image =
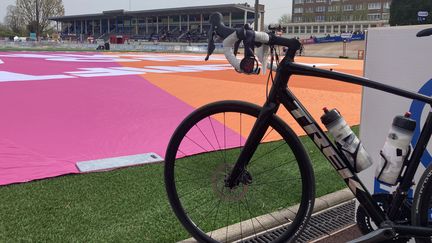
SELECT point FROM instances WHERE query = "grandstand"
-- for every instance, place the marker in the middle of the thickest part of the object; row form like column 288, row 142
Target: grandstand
column 172, row 24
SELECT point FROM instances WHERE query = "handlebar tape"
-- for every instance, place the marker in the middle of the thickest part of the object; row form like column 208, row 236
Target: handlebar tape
column 292, row 44
column 425, row 32
column 216, row 23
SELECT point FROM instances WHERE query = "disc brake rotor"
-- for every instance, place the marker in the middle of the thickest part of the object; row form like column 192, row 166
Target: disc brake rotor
column 225, row 193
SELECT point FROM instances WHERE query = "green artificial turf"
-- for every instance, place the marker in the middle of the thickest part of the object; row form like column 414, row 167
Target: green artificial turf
column 126, row 205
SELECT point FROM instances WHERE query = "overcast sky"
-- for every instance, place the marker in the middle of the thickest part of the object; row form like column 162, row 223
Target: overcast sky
column 274, row 8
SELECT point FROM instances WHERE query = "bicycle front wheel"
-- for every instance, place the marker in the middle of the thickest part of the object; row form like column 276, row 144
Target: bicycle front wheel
column 276, row 191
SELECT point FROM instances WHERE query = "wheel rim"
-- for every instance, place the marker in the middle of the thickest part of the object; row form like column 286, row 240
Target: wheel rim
column 202, row 202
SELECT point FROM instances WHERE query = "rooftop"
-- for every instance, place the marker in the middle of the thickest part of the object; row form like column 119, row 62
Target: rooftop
column 160, row 12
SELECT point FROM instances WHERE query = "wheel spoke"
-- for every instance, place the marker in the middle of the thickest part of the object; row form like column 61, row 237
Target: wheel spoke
column 273, row 168
column 189, row 193
column 274, row 182
column 192, row 180
column 251, row 214
column 187, row 170
column 207, row 139
column 271, row 130
column 217, row 140
column 215, row 218
column 266, row 154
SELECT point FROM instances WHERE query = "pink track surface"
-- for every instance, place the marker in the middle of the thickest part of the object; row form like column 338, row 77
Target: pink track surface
column 60, row 108
column 49, row 125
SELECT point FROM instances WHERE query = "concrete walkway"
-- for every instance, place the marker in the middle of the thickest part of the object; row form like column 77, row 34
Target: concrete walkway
column 268, row 221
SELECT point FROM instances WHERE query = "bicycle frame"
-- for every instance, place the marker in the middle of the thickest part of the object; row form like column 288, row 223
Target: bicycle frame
column 280, row 94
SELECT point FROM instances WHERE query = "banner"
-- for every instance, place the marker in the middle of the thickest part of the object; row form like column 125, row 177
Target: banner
column 329, row 39
column 394, row 56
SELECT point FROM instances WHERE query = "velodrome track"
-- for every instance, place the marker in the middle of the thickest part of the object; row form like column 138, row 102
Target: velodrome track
column 59, row 108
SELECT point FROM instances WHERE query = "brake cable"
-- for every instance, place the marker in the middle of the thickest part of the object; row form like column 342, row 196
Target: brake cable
column 270, row 76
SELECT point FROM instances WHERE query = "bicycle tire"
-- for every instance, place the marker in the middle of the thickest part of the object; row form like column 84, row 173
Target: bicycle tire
column 240, row 197
column 422, row 204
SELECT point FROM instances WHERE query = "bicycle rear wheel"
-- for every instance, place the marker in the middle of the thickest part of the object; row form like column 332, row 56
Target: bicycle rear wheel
column 278, row 189
column 422, row 205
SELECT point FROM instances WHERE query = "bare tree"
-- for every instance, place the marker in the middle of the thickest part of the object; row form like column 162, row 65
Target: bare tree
column 12, row 20
column 285, row 19
column 35, row 13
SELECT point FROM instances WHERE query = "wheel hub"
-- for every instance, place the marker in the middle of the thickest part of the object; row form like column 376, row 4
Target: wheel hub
column 219, row 184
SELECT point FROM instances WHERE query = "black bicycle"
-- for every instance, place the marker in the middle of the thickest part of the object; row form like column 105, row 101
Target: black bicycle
column 236, row 192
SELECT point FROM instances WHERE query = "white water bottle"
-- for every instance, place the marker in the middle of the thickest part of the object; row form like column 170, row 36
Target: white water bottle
column 396, row 149
column 346, row 140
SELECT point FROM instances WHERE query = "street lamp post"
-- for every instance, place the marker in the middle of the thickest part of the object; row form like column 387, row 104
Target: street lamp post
column 256, row 15
column 37, row 20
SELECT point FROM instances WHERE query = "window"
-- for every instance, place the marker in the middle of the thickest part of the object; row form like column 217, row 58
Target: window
column 386, row 5
column 359, row 6
column 298, row 10
column 319, row 18
column 374, row 5
column 348, row 7
column 358, row 17
column 342, row 29
column 309, row 1
column 321, row 1
column 347, row 18
column 320, row 9
column 385, row 16
column 298, row 19
column 314, row 29
column 309, row 10
column 333, row 8
column 375, row 16
column 333, row 18
column 298, row 1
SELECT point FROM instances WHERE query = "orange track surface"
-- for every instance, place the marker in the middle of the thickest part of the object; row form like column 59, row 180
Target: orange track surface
column 197, row 89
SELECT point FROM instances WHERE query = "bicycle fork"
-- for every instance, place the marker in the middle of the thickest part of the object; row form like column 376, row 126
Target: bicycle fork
column 239, row 174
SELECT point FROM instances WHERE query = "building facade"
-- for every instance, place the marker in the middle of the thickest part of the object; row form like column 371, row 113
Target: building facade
column 320, row 17
column 158, row 21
